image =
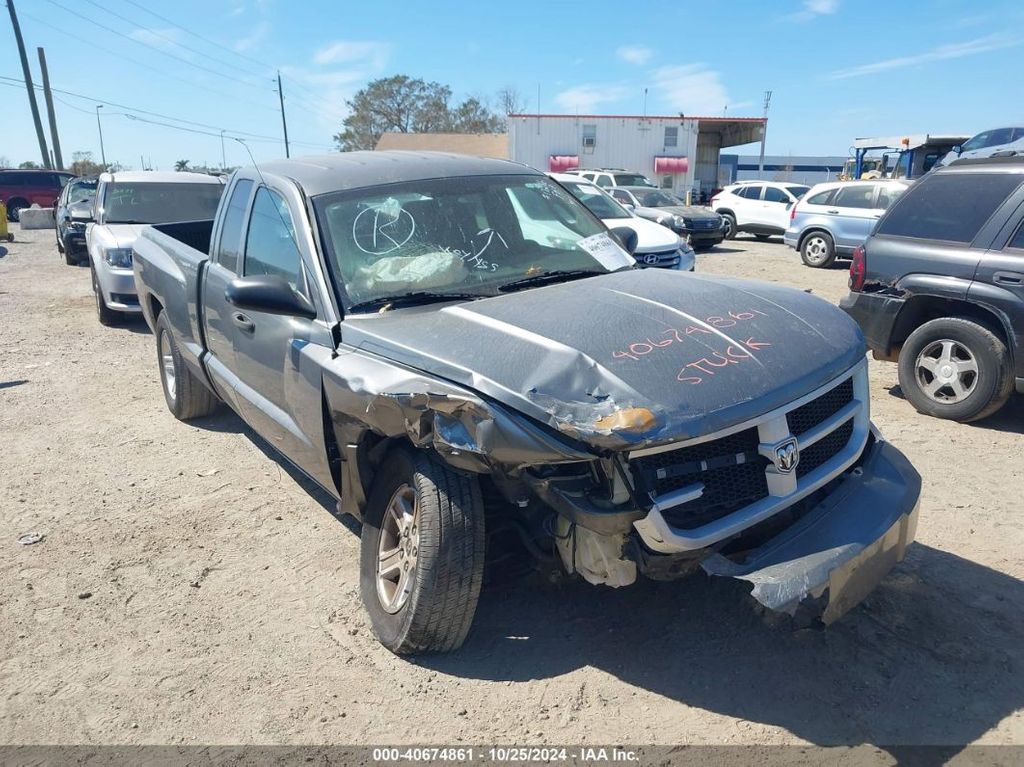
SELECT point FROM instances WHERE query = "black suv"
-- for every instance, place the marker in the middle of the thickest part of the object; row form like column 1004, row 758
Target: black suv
column 939, row 286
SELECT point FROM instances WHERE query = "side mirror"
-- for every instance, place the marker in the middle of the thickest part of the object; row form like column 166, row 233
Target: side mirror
column 958, row 149
column 268, row 293
column 629, row 206
column 626, row 237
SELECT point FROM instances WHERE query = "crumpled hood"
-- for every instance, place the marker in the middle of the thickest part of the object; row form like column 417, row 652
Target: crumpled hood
column 700, row 352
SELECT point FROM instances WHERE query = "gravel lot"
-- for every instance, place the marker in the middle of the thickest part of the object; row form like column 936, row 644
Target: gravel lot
column 190, row 589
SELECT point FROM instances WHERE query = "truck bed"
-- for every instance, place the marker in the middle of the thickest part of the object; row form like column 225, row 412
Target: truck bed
column 168, row 261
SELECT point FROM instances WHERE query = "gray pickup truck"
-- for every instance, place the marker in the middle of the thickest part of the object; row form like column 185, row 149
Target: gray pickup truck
column 397, row 326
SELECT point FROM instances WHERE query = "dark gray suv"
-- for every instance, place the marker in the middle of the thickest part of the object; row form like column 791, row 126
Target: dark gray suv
column 939, row 287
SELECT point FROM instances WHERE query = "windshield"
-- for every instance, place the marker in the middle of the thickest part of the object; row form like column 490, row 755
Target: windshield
column 597, row 202
column 466, row 235
column 148, row 202
column 82, row 190
column 657, row 199
column 631, row 179
column 798, row 191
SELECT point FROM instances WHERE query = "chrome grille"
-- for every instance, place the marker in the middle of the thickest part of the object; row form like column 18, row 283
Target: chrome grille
column 706, row 490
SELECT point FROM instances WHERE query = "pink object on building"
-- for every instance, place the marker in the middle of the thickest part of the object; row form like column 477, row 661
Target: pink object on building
column 559, row 163
column 671, row 164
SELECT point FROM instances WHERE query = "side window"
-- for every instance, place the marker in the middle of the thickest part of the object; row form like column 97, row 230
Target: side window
column 856, row 196
column 270, row 246
column 1017, row 241
column 671, row 135
column 887, row 194
column 772, row 194
column 622, row 197
column 231, row 229
column 603, row 179
column 821, row 198
column 950, row 208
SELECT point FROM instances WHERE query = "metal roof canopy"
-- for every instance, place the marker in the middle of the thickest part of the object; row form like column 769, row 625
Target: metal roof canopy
column 734, row 131
column 916, row 140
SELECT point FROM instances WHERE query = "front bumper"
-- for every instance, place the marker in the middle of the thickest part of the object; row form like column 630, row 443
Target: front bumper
column 118, row 287
column 876, row 314
column 843, row 547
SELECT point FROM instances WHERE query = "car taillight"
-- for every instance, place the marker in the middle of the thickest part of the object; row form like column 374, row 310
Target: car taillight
column 714, row 201
column 792, row 211
column 858, row 268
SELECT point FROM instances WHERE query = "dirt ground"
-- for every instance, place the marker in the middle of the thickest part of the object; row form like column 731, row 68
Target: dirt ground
column 190, row 589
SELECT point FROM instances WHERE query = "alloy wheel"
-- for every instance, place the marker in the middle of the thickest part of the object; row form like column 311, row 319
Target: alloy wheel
column 947, row 371
column 167, row 366
column 398, row 549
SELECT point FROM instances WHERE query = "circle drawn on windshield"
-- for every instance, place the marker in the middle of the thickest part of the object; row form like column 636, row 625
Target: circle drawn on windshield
column 381, row 230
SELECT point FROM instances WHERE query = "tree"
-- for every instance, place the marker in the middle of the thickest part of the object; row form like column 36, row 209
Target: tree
column 402, row 104
column 181, row 165
column 5, row 162
column 510, row 101
column 82, row 164
column 30, row 165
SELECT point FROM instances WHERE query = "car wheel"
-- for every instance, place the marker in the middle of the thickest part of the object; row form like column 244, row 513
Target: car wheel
column 60, row 244
column 186, row 396
column 730, row 225
column 955, row 368
column 818, row 250
column 106, row 315
column 422, row 553
column 14, row 208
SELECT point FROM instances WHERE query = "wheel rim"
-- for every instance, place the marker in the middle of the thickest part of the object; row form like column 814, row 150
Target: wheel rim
column 96, row 293
column 816, row 249
column 947, row 371
column 730, row 228
column 398, row 549
column 167, row 365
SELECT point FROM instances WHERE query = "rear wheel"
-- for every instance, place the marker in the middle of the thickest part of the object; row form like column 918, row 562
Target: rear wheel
column 422, row 553
column 106, row 315
column 14, row 208
column 955, row 368
column 186, row 396
column 818, row 250
column 730, row 225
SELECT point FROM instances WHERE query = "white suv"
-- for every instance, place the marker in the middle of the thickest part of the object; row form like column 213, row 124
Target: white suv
column 758, row 207
column 606, row 177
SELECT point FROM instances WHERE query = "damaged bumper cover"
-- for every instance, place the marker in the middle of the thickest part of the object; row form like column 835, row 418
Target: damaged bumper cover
column 843, row 547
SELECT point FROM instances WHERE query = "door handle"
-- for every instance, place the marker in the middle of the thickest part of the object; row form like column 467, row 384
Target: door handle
column 1008, row 278
column 832, row 211
column 243, row 322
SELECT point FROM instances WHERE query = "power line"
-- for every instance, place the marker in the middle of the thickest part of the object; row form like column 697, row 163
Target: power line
column 172, row 41
column 123, row 57
column 181, row 59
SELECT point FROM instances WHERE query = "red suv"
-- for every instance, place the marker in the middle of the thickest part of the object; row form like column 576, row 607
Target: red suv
column 24, row 188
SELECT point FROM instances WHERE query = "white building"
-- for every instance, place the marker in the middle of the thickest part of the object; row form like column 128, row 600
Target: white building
column 678, row 153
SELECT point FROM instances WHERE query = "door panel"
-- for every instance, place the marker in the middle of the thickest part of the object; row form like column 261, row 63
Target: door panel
column 775, row 208
column 853, row 213
column 277, row 358
column 999, row 284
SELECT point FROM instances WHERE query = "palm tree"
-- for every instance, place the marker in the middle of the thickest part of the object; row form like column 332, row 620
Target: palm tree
column 181, row 165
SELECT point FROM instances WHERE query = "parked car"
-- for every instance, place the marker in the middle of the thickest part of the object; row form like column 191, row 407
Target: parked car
column 656, row 246
column 939, row 287
column 20, row 189
column 381, row 320
column 832, row 219
column 72, row 215
column 124, row 204
column 605, row 177
column 702, row 226
column 990, row 143
column 759, row 207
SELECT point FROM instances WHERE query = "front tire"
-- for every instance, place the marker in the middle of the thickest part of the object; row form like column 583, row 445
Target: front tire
column 955, row 368
column 108, row 317
column 422, row 553
column 730, row 226
column 818, row 250
column 185, row 395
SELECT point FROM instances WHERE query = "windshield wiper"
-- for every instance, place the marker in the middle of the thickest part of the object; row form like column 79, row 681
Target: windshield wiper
column 411, row 299
column 558, row 275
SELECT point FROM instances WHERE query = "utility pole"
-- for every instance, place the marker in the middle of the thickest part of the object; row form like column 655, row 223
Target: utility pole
column 103, row 154
column 28, row 85
column 48, row 95
column 223, row 161
column 764, row 133
column 284, row 123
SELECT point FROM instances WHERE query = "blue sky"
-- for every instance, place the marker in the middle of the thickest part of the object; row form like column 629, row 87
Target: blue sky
column 837, row 68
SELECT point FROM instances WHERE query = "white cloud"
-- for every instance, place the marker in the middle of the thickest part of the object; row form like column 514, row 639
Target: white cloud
column 692, row 89
column 365, row 52
column 254, row 38
column 814, row 8
column 942, row 53
column 585, row 98
column 635, row 54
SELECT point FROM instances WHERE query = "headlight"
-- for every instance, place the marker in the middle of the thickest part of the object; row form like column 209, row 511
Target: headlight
column 679, row 222
column 120, row 258
column 687, row 223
